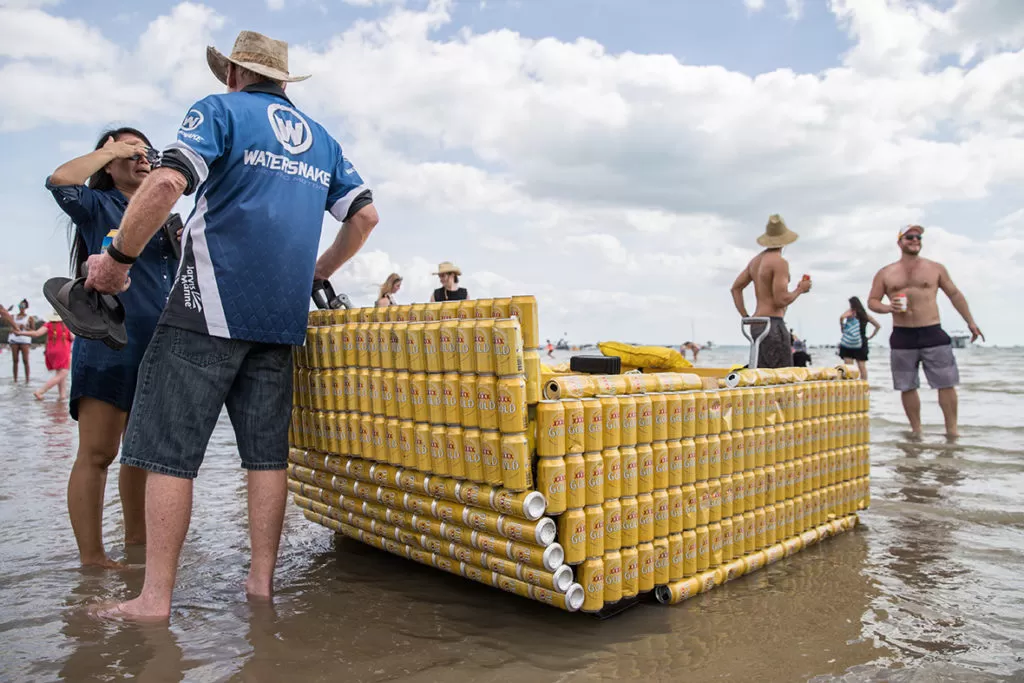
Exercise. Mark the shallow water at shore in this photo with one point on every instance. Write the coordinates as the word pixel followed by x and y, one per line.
pixel 928 588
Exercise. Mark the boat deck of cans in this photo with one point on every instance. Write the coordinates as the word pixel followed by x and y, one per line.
pixel 427 431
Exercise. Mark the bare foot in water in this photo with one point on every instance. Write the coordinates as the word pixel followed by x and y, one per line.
pixel 952 437
pixel 258 590
pixel 103 562
pixel 39 397
pixel 133 610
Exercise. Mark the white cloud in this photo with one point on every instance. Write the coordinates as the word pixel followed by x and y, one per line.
pixel 794 9
pixel 275 4
pixel 754 5
pixel 34 34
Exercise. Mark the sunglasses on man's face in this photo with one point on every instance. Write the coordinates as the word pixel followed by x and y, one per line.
pixel 912 238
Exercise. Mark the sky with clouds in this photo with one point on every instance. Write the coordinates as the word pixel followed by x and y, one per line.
pixel 617 158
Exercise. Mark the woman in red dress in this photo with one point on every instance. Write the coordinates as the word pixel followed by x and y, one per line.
pixel 57 355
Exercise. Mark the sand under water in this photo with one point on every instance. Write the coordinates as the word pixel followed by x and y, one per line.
pixel 929 588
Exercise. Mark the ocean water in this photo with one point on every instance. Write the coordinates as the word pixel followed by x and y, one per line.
pixel 928 588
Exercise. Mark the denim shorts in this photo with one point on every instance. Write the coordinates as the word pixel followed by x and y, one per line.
pixel 185 379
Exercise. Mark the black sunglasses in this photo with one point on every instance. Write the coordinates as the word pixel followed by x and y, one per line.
pixel 912 237
pixel 152 156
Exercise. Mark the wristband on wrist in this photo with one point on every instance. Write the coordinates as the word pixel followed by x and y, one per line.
pixel 119 256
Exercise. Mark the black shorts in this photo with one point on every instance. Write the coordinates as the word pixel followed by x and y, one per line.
pixel 860 353
pixel 776 349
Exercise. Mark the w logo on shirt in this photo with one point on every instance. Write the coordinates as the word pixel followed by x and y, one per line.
pixel 290 129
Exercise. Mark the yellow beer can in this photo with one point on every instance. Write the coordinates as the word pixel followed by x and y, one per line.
pixel 675 462
pixel 387 357
pixel 593 464
pixel 490 456
pixel 749 532
pixel 594 515
pixel 701 443
pixel 435 398
pixel 431 349
pixel 487 401
pixel 414 348
pixel 662 513
pixel 550 428
pixel 612 464
pixel 482 308
pixel 572 535
pixel 799 480
pixel 645 517
pixel 393 454
pixel 714 399
pixel 399 343
pixel 630 572
pixel 700 402
pixel 770 444
pixel 448 350
pixel 511 405
pixel 676 510
pixel 714 456
pixel 406 439
pixel 483 337
pixel 507 343
pixel 787 448
pixel 501 307
pixel 402 398
pixel 575 481
pixel 469 417
pixel 769 525
pixel 661 464
pixel 448 310
pixel 516 474
pixel 629 463
pixel 726 440
pixel 703 548
pixel 715 555
pixel 676 563
pixel 689 448
pixel 593 438
pixel 575 425
pixel 387 393
pixel 749 408
pixel 799 430
pixel 630 521
pixel 644 468
pixel 335 346
pixel 645 561
pixel 750 490
pixel 551 477
pixel 691 504
pixel 644 419
pixel 659 411
pixel 740 504
pixel 676 415
pixel 376 398
pixel 813 471
pixel 531 362
pixel 611 422
pixel 465 343
pixel 772 474
pixel 438 452
pixel 727 496
pixel 738 537
pixel 749 449
pixel 417 397
pixel 760 439
pixel 373 339
pixel 591 577
pixel 524 308
pixel 759 487
pixel 661 561
pixel 612 577
pixel 715 497
pixel 703 503
pixel 689 552
pixel 627 411
pixel 780 521
pixel 612 524
pixel 455 451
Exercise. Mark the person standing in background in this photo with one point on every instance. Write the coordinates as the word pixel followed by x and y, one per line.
pixel 386 296
pixel 854 344
pixel 19 341
pixel 57 355
pixel 801 359
pixel 449 290
pixel 911 284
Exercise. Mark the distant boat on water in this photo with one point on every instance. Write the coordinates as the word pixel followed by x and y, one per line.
pixel 959 339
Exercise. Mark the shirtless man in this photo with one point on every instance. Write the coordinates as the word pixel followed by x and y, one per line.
pixel 770 274
pixel 917 338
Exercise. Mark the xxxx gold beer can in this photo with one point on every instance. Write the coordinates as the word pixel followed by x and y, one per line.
pixel 331 433
pixel 714 456
pixel 689 448
pixel 627 413
pixel 414 341
pixel 799 431
pixel 594 515
pixel 714 545
pixel 630 521
pixel 455 451
pixel 432 347
pixel 760 406
pixel 769 525
pixel 727 541
pixel 787 453
pixel 335 346
pixel 612 577
pixel 376 398
pixel 507 343
pixel 373 337
pixel 688 403
pixel 348 346
pixel 702 458
pixel 594 468
pixel 630 572
pixel 662 513
pixel 675 558
pixel 403 388
pixel 691 503
pixel 575 481
pixel 438 452
pixel 417 313
pixel 399 343
pixel 612 463
pixel 630 469
pixel 645 561
pixel 645 516
pixel 727 496
pixel 467 401
pixel 759 487
pixel 645 468
pixel 435 399
pixel 703 503
pixel 772 473
pixel 472 455
pixel 737 411
pixel 482 308
pixel 714 412
pixel 739 543
pixel 449 352
pixel 644 419
pixel 387 393
pixel 575 426
pixel 572 535
pixel 676 509
pixel 800 482
pixel 531 362
pixel 675 414
pixel 591 577
pixel 703 548
pixel 378 431
pixel 759 446
pixel 391 436
pixel 487 401
pixel 448 310
pixel 659 450
pixel 465 309
pixel 406 443
pixel 490 456
pixel 661 561
pixel 700 400
pixel 612 524
pixel 759 529
pixel 525 309
pixel 689 552
pixel 483 335
pixel 550 428
pixel 715 496
pixel 465 343
pixel 659 412
pixel 749 536
pixel 387 357
pixel 511 405
pixel 728 464
pixel 593 437
pixel 771 438
pixel 551 482
pixel 450 385
pixel 417 397
pixel 675 463
pixel 500 307
pixel 611 422
pixel 516 474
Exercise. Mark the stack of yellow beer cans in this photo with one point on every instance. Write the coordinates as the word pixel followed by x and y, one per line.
pixel 427 431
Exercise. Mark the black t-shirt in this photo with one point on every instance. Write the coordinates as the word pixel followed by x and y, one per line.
pixel 442 294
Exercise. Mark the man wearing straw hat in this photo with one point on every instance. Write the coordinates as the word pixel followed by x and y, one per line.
pixel 769 272
pixel 264 173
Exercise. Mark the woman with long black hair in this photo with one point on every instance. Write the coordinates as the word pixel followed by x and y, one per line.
pixel 94 190
pixel 854 344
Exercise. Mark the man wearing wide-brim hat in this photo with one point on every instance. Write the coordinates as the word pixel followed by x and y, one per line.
pixel 449 290
pixel 769 272
pixel 264 172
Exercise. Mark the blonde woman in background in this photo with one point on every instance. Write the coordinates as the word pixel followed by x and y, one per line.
pixel 389 289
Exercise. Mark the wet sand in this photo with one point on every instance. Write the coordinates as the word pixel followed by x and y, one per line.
pixel 928 588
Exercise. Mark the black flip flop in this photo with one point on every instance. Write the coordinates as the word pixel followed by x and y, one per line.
pixel 117 333
pixel 77 307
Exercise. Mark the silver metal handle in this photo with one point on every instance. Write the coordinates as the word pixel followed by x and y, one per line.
pixel 755 344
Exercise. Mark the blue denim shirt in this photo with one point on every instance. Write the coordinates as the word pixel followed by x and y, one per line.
pixel 97 371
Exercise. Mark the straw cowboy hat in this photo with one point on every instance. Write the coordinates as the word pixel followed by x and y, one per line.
pixel 776 234
pixel 255 52
pixel 447 267
pixel 53 318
